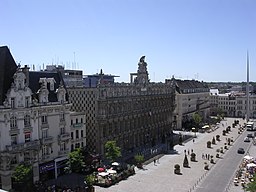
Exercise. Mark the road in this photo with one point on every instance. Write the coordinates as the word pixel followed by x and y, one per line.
pixel 219 177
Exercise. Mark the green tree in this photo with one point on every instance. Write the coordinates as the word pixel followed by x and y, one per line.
pixel 112 151
pixel 139 158
pixel 252 185
pixel 75 162
pixel 22 173
pixel 23 178
pixel 197 119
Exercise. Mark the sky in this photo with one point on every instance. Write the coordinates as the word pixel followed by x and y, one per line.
pixel 206 40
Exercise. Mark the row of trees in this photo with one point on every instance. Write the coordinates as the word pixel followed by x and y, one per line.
pixel 23 174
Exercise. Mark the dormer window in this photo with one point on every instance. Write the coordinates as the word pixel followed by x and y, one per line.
pixel 12 102
pixel 27 102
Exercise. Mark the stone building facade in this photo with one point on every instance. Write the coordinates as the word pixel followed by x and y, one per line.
pixel 191 97
pixel 35 123
pixel 233 104
pixel 135 114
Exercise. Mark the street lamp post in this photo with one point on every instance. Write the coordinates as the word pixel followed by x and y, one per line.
pixel 194 130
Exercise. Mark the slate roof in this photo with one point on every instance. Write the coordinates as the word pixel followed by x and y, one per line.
pixel 7 69
pixel 34 84
pixel 182 85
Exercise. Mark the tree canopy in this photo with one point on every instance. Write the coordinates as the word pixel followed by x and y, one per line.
pixel 197 119
pixel 75 162
pixel 112 151
pixel 22 173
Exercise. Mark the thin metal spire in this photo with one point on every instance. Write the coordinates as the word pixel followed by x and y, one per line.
pixel 247 91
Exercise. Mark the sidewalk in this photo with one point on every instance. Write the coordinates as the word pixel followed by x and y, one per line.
pixel 160 177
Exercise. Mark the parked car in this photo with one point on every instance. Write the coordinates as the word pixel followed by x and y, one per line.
pixel 246 139
pixel 250 135
pixel 241 151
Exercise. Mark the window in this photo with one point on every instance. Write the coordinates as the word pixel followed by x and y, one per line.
pixel 76 121
pixel 81 120
pixel 72 147
pixel 62 117
pixel 82 133
pixel 12 103
pixel 62 130
pixel 13 139
pixel 72 135
pixel 77 134
pixel 27 121
pixel 27 137
pixel 63 146
pixel 26 156
pixel 27 102
pixel 77 145
pixel 45 150
pixel 13 122
pixel 71 122
pixel 44 133
pixel 44 119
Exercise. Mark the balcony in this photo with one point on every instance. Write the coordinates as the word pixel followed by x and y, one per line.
pixel 32 145
pixel 64 136
pixel 63 122
pixel 77 125
pixel 28 129
pixel 46 157
pixel 64 152
pixel 14 131
pixel 44 125
pixel 47 140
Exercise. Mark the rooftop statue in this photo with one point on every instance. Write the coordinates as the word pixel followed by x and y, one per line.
pixel 142 59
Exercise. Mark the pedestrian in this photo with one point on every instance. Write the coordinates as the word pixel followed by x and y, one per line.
pixel 208 156
pixel 193 140
pixel 188 151
pixel 202 156
pixel 154 161
pixel 192 151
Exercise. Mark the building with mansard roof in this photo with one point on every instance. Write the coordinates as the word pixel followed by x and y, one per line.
pixel 37 126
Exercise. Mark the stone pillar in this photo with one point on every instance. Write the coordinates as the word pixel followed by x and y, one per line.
pixel 6 180
pixel 35 172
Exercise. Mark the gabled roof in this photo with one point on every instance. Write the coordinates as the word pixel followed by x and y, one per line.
pixel 7 69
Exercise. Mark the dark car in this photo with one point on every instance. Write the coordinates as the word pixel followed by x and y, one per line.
pixel 241 151
pixel 250 135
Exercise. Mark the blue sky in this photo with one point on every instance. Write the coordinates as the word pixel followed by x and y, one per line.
pixel 190 39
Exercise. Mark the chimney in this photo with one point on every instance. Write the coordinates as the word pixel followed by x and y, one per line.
pixel 25 70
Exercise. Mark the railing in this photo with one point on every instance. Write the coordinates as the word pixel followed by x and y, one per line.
pixel 77 125
pixel 47 140
pixel 64 136
pixel 24 146
pixel 46 157
pixel 64 152
pixel 14 131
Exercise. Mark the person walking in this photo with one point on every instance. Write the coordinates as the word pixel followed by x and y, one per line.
pixel 154 161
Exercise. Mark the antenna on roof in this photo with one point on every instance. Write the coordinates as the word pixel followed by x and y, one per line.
pixel 75 59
